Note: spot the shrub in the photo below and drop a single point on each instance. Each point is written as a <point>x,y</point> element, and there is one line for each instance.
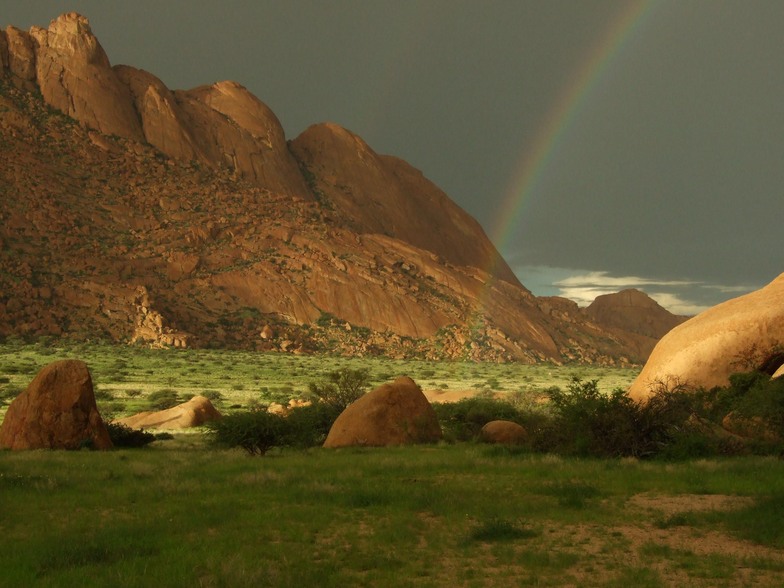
<point>588,423</point>
<point>163,399</point>
<point>10,391</point>
<point>462,420</point>
<point>124,436</point>
<point>103,394</point>
<point>213,396</point>
<point>342,387</point>
<point>255,431</point>
<point>308,426</point>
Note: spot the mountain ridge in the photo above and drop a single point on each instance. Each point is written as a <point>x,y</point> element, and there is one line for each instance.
<point>199,224</point>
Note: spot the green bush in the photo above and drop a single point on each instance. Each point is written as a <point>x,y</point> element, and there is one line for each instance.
<point>342,387</point>
<point>308,426</point>
<point>124,436</point>
<point>213,396</point>
<point>163,399</point>
<point>586,422</point>
<point>255,431</point>
<point>462,420</point>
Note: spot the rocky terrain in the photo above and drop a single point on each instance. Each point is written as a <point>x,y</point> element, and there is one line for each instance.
<point>133,213</point>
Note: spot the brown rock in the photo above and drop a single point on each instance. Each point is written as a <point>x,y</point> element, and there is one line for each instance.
<point>730,337</point>
<point>74,76</point>
<point>503,432</point>
<point>392,414</point>
<point>21,53</point>
<point>386,195</point>
<point>633,311</point>
<point>235,129</point>
<point>197,411</point>
<point>56,411</point>
<point>162,120</point>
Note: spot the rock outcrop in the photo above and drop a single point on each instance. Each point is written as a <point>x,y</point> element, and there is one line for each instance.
<point>503,433</point>
<point>741,334</point>
<point>197,411</point>
<point>633,311</point>
<point>195,197</point>
<point>385,195</point>
<point>392,414</point>
<point>74,76</point>
<point>56,411</point>
<point>21,56</point>
<point>162,120</point>
<point>235,129</point>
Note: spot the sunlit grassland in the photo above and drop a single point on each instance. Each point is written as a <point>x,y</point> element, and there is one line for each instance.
<point>445,515</point>
<point>181,512</point>
<point>125,375</point>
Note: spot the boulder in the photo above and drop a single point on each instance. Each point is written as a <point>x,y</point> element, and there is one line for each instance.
<point>392,414</point>
<point>56,411</point>
<point>503,432</point>
<point>197,411</point>
<point>741,334</point>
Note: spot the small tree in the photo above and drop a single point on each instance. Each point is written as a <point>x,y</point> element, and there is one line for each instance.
<point>342,387</point>
<point>255,431</point>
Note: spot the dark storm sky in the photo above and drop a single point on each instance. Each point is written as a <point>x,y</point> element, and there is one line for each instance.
<point>668,176</point>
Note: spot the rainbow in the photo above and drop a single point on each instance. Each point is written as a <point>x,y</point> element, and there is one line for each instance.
<point>554,129</point>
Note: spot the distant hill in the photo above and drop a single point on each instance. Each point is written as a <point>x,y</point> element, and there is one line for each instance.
<point>131,212</point>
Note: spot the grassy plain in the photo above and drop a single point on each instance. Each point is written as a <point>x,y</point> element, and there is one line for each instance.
<point>124,376</point>
<point>183,513</point>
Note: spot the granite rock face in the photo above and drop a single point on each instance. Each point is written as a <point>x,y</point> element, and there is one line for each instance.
<point>74,76</point>
<point>741,334</point>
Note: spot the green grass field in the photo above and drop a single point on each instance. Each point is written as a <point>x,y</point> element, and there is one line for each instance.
<point>124,376</point>
<point>181,512</point>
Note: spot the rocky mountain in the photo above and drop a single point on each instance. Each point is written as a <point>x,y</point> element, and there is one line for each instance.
<point>131,212</point>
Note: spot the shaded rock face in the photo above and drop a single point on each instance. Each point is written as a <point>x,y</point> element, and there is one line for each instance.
<point>738,335</point>
<point>392,414</point>
<point>386,195</point>
<point>235,129</point>
<point>504,433</point>
<point>3,52</point>
<point>56,411</point>
<point>162,120</point>
<point>633,311</point>
<point>197,411</point>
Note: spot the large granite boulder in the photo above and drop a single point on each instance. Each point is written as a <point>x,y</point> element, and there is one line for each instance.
<point>392,414</point>
<point>741,334</point>
<point>197,411</point>
<point>56,411</point>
